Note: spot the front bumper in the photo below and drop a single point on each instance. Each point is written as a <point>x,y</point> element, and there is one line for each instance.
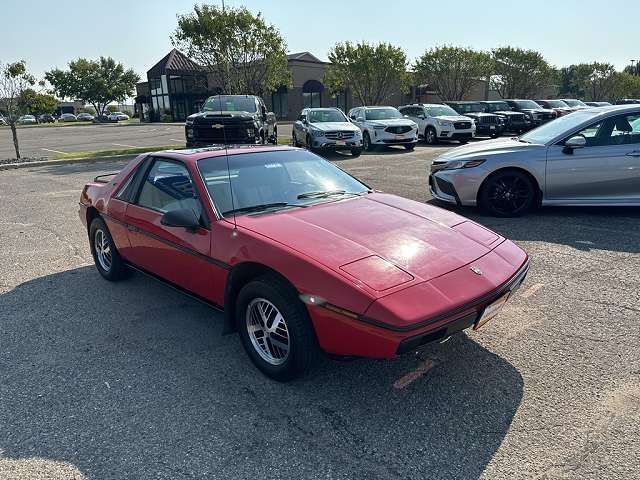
<point>382,137</point>
<point>457,135</point>
<point>489,129</point>
<point>366,337</point>
<point>327,144</point>
<point>519,126</point>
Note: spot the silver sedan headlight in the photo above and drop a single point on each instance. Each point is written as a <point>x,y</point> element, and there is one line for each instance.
<point>316,132</point>
<point>457,164</point>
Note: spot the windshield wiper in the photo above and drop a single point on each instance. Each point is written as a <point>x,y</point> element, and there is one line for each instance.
<point>260,207</point>
<point>328,193</point>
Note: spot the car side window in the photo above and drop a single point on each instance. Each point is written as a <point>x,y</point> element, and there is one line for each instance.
<point>168,186</point>
<point>620,130</point>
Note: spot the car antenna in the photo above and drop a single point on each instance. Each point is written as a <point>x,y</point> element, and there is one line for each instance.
<point>226,155</point>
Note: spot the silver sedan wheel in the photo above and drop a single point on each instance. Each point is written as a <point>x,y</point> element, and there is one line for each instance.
<point>268,331</point>
<point>103,249</point>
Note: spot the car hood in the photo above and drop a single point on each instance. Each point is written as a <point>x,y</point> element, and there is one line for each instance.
<point>331,126</point>
<point>507,113</point>
<point>453,118</point>
<point>378,240</point>
<point>498,146</point>
<point>399,122</point>
<point>479,114</point>
<point>220,115</point>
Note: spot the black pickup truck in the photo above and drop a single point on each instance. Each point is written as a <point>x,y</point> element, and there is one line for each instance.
<point>486,123</point>
<point>513,121</point>
<point>231,119</point>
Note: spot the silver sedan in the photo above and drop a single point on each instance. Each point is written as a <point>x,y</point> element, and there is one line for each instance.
<point>591,157</point>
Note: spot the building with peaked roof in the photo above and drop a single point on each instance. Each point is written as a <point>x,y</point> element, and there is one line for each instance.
<point>177,86</point>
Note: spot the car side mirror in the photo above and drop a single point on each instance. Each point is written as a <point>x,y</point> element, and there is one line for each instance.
<point>181,217</point>
<point>574,142</point>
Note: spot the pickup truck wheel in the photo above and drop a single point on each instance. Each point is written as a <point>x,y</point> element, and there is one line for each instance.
<point>430,136</point>
<point>274,139</point>
<point>105,255</point>
<point>275,329</point>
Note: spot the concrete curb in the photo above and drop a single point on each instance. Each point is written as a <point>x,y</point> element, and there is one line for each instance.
<point>13,166</point>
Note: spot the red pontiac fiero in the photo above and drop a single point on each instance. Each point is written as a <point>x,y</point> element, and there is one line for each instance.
<point>303,257</point>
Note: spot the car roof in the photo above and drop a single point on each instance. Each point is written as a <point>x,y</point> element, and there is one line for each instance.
<point>192,155</point>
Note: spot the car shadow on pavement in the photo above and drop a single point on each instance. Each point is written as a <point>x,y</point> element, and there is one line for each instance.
<point>134,380</point>
<point>583,228</point>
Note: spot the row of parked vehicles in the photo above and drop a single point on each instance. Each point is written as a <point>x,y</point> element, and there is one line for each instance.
<point>67,117</point>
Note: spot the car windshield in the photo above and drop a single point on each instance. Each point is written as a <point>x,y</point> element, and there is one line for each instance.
<point>469,107</point>
<point>530,104</point>
<point>497,107</point>
<point>328,115</point>
<point>277,179</point>
<point>229,103</point>
<point>381,113</point>
<point>575,103</point>
<point>547,132</point>
<point>441,111</point>
<point>556,103</point>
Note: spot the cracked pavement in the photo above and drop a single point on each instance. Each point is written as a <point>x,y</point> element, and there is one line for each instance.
<point>134,380</point>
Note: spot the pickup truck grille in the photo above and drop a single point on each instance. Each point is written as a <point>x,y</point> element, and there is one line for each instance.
<point>493,119</point>
<point>516,117</point>
<point>548,116</point>
<point>462,125</point>
<point>397,130</point>
<point>339,135</point>
<point>229,133</point>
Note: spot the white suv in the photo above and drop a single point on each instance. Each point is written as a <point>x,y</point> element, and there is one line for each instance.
<point>439,122</point>
<point>384,126</point>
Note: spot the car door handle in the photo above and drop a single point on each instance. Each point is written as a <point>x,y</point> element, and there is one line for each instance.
<point>635,153</point>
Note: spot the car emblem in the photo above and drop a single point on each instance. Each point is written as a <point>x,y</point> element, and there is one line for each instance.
<point>339,134</point>
<point>217,125</point>
<point>475,270</point>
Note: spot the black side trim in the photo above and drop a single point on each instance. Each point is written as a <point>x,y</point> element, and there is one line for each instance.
<point>512,283</point>
<point>182,248</point>
<point>177,287</point>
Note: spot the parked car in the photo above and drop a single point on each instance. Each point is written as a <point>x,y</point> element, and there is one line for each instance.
<point>534,112</point>
<point>628,101</point>
<point>67,117</point>
<point>558,106</point>
<point>85,117</point>
<point>590,157</point>
<point>439,122</point>
<point>575,104</point>
<point>260,233</point>
<point>515,122</point>
<point>598,104</point>
<point>326,129</point>
<point>231,119</point>
<point>384,126</point>
<point>27,120</point>
<point>487,124</point>
<point>118,116</point>
<point>46,118</point>
<point>2,120</point>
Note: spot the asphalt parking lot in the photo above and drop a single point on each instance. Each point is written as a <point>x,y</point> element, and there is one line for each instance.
<point>134,380</point>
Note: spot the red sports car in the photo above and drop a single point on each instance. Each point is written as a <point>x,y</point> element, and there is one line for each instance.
<point>303,257</point>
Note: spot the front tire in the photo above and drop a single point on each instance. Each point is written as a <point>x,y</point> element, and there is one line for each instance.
<point>275,329</point>
<point>409,147</point>
<point>366,142</point>
<point>355,152</point>
<point>509,193</point>
<point>105,255</point>
<point>430,136</point>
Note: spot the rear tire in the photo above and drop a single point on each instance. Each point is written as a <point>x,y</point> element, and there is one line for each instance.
<point>105,255</point>
<point>509,193</point>
<point>275,329</point>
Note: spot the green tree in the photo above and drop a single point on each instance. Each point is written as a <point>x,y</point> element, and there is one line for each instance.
<point>98,82</point>
<point>452,70</point>
<point>519,73</point>
<point>37,103</point>
<point>595,81</point>
<point>14,81</point>
<point>243,53</point>
<point>626,86</point>
<point>371,72</point>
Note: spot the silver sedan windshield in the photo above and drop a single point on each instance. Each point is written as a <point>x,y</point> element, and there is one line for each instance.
<point>547,132</point>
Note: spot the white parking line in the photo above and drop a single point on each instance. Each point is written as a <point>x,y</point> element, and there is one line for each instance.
<point>531,291</point>
<point>124,145</point>
<point>54,151</point>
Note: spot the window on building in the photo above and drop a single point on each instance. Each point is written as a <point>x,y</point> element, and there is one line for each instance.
<point>312,94</point>
<point>341,101</point>
<point>280,102</point>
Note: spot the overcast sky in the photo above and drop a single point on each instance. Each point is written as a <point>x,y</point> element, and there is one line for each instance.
<point>49,33</point>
